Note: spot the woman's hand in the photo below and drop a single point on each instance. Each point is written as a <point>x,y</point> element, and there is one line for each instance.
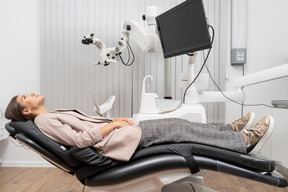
<point>116,124</point>
<point>126,121</point>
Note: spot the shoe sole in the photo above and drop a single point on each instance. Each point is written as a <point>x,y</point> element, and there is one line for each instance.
<point>250,122</point>
<point>263,140</point>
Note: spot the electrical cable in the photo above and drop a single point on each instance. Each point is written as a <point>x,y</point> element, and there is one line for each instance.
<point>133,56</point>
<point>242,104</point>
<point>242,107</point>
<point>83,190</point>
<point>192,187</point>
<point>213,32</point>
<point>204,64</point>
<point>128,57</point>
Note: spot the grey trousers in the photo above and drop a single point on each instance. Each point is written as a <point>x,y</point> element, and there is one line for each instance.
<point>175,130</point>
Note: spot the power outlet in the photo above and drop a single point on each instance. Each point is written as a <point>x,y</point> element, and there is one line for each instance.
<point>238,56</point>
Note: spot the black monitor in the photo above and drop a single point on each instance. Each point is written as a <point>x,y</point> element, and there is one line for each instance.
<point>183,29</point>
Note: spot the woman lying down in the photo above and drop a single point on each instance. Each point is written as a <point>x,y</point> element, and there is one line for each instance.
<point>119,138</point>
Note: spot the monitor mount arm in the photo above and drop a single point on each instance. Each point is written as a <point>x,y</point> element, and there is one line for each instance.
<point>146,39</point>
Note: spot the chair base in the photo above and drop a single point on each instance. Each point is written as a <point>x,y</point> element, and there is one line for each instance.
<point>155,182</point>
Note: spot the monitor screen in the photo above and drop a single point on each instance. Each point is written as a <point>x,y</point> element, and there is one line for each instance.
<point>183,29</point>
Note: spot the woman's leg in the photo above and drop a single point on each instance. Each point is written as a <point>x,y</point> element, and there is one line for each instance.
<point>218,127</point>
<point>237,125</point>
<point>176,130</point>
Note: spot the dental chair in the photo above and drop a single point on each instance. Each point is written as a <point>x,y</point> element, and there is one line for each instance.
<point>150,168</point>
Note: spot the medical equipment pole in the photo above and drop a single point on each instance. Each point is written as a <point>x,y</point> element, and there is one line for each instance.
<point>191,71</point>
<point>168,79</point>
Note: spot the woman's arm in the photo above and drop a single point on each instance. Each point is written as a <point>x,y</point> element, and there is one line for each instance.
<point>106,129</point>
<point>63,133</point>
<point>126,120</point>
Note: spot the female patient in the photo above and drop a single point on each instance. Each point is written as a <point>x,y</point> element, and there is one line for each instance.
<point>118,138</point>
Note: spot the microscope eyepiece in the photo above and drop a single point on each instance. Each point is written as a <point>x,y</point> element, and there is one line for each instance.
<point>87,41</point>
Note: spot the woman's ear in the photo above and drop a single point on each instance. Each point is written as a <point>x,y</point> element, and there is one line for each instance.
<point>26,112</point>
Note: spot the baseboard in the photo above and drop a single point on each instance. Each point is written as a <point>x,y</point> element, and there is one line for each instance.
<point>25,164</point>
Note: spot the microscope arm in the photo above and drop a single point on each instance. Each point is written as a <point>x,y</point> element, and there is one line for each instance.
<point>107,54</point>
<point>146,39</point>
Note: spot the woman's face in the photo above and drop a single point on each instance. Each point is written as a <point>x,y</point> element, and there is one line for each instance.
<point>31,101</point>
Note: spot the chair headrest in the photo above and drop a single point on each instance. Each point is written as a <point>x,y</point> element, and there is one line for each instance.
<point>34,133</point>
<point>11,130</point>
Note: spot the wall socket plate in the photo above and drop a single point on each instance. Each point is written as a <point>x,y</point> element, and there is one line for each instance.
<point>238,56</point>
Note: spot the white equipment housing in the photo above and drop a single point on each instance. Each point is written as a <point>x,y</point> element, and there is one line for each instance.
<point>146,39</point>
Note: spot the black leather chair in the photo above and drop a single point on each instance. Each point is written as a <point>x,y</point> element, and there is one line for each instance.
<point>149,168</point>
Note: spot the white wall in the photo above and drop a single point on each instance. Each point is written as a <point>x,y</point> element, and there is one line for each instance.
<point>267,46</point>
<point>19,66</point>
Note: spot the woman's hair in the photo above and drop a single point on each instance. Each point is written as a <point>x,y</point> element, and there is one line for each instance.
<point>14,111</point>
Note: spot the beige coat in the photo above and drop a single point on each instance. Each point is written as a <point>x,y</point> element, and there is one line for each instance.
<point>74,128</point>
